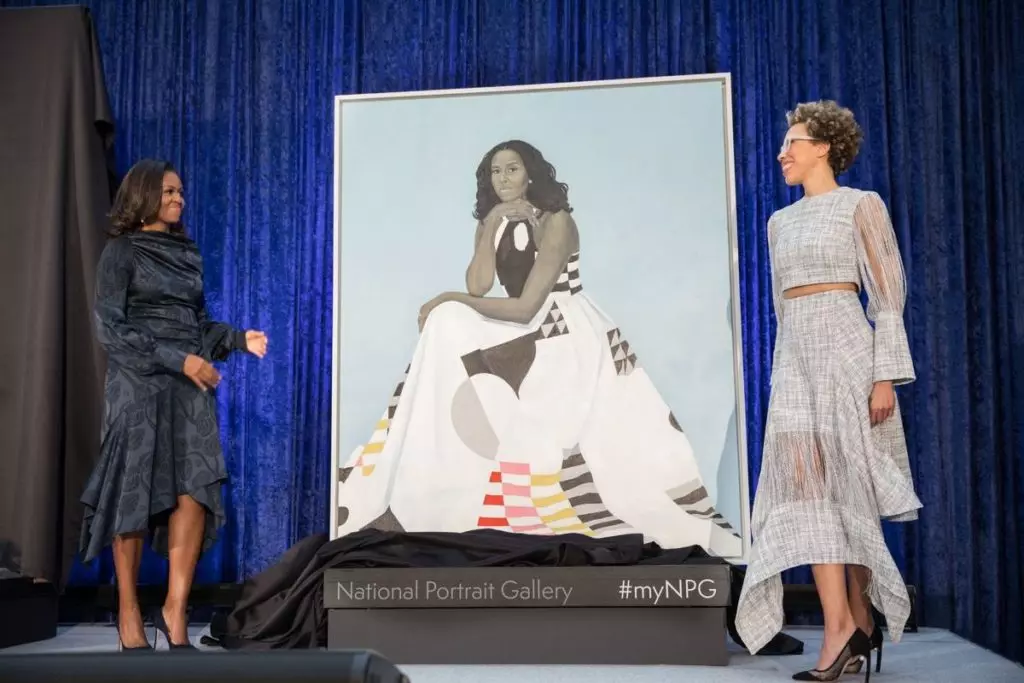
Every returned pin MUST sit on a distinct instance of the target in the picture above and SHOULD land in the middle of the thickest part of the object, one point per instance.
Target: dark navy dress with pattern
(159, 438)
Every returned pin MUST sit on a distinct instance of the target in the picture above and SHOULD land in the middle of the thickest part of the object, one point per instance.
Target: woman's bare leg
(185, 541)
(858, 578)
(830, 580)
(127, 558)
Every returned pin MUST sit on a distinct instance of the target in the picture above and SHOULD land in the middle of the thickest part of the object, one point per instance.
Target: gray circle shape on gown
(470, 422)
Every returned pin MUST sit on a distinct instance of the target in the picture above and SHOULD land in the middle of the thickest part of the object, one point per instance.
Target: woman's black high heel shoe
(161, 625)
(876, 646)
(858, 647)
(120, 643)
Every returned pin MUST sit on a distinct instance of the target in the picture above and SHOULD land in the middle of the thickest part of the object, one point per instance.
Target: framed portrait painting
(536, 324)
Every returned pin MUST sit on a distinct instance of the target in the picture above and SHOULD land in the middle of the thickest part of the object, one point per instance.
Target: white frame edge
(732, 218)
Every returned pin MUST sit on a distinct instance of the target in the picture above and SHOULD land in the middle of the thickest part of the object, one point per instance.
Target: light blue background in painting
(646, 170)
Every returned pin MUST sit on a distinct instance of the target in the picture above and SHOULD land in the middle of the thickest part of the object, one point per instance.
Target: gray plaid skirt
(827, 476)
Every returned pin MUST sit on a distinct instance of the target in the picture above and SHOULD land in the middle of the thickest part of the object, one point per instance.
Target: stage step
(28, 611)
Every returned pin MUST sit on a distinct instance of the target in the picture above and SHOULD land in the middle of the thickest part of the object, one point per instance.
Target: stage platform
(928, 656)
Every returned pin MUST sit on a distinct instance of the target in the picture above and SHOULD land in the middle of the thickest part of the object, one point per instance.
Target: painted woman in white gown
(529, 412)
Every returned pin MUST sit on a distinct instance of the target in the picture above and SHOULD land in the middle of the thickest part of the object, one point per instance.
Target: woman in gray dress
(835, 457)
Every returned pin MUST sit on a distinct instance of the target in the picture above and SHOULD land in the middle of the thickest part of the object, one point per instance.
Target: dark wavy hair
(545, 192)
(139, 197)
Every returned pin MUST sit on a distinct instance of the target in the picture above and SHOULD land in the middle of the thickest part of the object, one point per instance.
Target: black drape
(282, 607)
(56, 133)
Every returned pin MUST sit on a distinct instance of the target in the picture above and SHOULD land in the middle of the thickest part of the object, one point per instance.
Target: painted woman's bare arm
(559, 241)
(480, 273)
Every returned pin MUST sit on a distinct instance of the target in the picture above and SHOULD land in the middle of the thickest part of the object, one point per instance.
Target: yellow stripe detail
(375, 447)
(544, 479)
(549, 500)
(561, 514)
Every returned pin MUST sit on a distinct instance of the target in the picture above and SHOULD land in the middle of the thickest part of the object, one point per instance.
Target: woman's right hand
(515, 210)
(202, 373)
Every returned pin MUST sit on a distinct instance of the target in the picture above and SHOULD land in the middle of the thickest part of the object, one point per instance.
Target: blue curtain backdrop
(239, 95)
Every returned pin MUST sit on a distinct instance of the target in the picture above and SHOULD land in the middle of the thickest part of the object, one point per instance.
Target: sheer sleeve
(126, 344)
(881, 271)
(776, 293)
(218, 339)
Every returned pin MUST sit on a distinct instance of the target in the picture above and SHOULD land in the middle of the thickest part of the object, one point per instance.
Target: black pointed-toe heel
(857, 648)
(161, 625)
(120, 643)
(876, 646)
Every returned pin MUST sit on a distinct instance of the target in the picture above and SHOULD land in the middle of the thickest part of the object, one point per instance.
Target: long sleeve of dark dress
(137, 344)
(159, 435)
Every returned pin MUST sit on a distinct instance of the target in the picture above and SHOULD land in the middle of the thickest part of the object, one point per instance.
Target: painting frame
(724, 80)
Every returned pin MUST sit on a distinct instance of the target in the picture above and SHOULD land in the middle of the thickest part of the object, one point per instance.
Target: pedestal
(532, 615)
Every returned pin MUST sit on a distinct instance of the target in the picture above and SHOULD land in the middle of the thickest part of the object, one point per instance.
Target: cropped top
(846, 236)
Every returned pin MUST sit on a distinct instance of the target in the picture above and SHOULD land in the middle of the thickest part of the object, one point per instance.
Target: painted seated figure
(528, 412)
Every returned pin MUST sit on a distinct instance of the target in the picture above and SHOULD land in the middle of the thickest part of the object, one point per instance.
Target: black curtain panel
(56, 133)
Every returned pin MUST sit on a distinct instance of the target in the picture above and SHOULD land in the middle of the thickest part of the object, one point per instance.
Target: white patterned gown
(552, 427)
(827, 476)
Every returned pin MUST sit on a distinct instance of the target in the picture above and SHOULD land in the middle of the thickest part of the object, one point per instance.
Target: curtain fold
(239, 95)
(55, 170)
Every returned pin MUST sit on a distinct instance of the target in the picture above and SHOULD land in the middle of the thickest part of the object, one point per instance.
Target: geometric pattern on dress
(569, 278)
(625, 359)
(386, 522)
(672, 421)
(577, 482)
(363, 461)
(554, 324)
(510, 361)
(693, 499)
(521, 501)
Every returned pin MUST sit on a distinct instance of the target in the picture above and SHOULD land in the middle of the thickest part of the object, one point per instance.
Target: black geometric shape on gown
(694, 499)
(512, 265)
(386, 522)
(577, 482)
(510, 361)
(672, 421)
(397, 395)
(554, 324)
(625, 360)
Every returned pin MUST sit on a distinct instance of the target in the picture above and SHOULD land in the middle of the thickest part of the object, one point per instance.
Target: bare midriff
(818, 287)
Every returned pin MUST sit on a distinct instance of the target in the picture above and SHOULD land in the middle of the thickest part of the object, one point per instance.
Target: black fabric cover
(56, 133)
(283, 606)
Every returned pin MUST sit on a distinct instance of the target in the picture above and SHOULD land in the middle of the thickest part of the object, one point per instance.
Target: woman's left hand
(882, 402)
(256, 343)
(426, 308)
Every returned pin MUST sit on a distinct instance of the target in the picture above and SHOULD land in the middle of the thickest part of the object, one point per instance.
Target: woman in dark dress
(161, 467)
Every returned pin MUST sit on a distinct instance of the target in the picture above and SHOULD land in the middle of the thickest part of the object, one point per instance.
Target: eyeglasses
(792, 138)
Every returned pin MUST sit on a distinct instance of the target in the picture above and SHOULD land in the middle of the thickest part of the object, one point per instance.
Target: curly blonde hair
(827, 121)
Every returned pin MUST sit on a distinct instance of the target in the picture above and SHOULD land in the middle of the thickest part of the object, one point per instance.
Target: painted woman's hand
(426, 308)
(515, 210)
